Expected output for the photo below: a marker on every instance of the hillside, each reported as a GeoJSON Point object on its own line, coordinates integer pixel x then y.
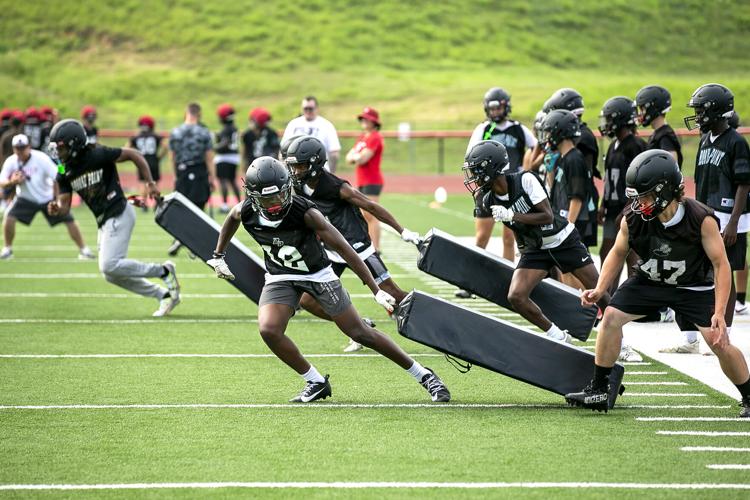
{"type": "Point", "coordinates": [426, 62]}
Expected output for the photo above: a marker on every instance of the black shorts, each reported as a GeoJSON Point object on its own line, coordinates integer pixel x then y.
{"type": "Point", "coordinates": [570, 255]}
{"type": "Point", "coordinates": [333, 298]}
{"type": "Point", "coordinates": [155, 173]}
{"type": "Point", "coordinates": [193, 183]}
{"type": "Point", "coordinates": [24, 211]}
{"type": "Point", "coordinates": [637, 296]}
{"type": "Point", "coordinates": [226, 170]}
{"type": "Point", "coordinates": [371, 189]}
{"type": "Point", "coordinates": [588, 230]}
{"type": "Point", "coordinates": [374, 263]}
{"type": "Point", "coordinates": [737, 252]}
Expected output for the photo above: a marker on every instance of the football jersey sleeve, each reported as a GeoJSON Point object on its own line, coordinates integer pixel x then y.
{"type": "Point", "coordinates": [63, 185]}
{"type": "Point", "coordinates": [533, 187]}
{"type": "Point", "coordinates": [741, 165]}
{"type": "Point", "coordinates": [576, 173]}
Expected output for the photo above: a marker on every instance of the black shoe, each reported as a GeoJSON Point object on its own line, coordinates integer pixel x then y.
{"type": "Point", "coordinates": [745, 404]}
{"type": "Point", "coordinates": [436, 387]}
{"type": "Point", "coordinates": [368, 322]}
{"type": "Point", "coordinates": [593, 398]}
{"type": "Point", "coordinates": [313, 391]}
{"type": "Point", "coordinates": [463, 294]}
{"type": "Point", "coordinates": [174, 248]}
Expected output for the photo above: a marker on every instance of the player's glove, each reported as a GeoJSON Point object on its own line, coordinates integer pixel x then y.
{"type": "Point", "coordinates": [386, 300]}
{"type": "Point", "coordinates": [411, 237]}
{"type": "Point", "coordinates": [501, 213]}
{"type": "Point", "coordinates": [220, 266]}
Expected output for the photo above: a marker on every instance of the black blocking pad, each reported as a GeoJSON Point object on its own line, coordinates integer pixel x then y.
{"type": "Point", "coordinates": [488, 276]}
{"type": "Point", "coordinates": [499, 346]}
{"type": "Point", "coordinates": [198, 232]}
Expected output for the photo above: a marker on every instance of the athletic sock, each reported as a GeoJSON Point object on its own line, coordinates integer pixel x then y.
{"type": "Point", "coordinates": [744, 389]}
{"type": "Point", "coordinates": [418, 371]}
{"type": "Point", "coordinates": [164, 272]}
{"type": "Point", "coordinates": [690, 336]}
{"type": "Point", "coordinates": [555, 332]}
{"type": "Point", "coordinates": [741, 297]}
{"type": "Point", "coordinates": [313, 375]}
{"type": "Point", "coordinates": [166, 295]}
{"type": "Point", "coordinates": [601, 376]}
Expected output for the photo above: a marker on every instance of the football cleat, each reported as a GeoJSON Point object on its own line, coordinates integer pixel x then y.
{"type": "Point", "coordinates": [666, 315]}
{"type": "Point", "coordinates": [174, 248]}
{"type": "Point", "coordinates": [6, 253]}
{"type": "Point", "coordinates": [629, 354]}
{"type": "Point", "coordinates": [686, 348]}
{"type": "Point", "coordinates": [566, 337]}
{"type": "Point", "coordinates": [353, 346]}
{"type": "Point", "coordinates": [463, 294]}
{"type": "Point", "coordinates": [166, 305]}
{"type": "Point", "coordinates": [436, 387]}
{"type": "Point", "coordinates": [745, 404]}
{"type": "Point", "coordinates": [313, 391]}
{"type": "Point", "coordinates": [593, 398]}
{"type": "Point", "coordinates": [740, 308]}
{"type": "Point", "coordinates": [86, 254]}
{"type": "Point", "coordinates": [171, 279]}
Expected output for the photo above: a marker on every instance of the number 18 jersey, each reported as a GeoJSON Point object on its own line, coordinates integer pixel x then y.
{"type": "Point", "coordinates": [291, 247]}
{"type": "Point", "coordinates": [672, 256]}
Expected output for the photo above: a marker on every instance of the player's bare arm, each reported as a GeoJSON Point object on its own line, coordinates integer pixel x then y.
{"type": "Point", "coordinates": [129, 154]}
{"type": "Point", "coordinates": [60, 205]}
{"type": "Point", "coordinates": [574, 209]}
{"type": "Point", "coordinates": [229, 228]}
{"type": "Point", "coordinates": [351, 195]}
{"type": "Point", "coordinates": [713, 245]}
{"type": "Point", "coordinates": [610, 267]}
{"type": "Point", "coordinates": [740, 201]}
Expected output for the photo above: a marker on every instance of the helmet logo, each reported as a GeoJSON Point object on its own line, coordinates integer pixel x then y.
{"type": "Point", "coordinates": [269, 190]}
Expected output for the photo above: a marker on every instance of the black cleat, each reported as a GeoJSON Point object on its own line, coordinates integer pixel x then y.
{"type": "Point", "coordinates": [174, 248]}
{"type": "Point", "coordinates": [368, 322]}
{"type": "Point", "coordinates": [313, 391]}
{"type": "Point", "coordinates": [463, 294]}
{"type": "Point", "coordinates": [745, 404]}
{"type": "Point", "coordinates": [436, 387]}
{"type": "Point", "coordinates": [593, 398]}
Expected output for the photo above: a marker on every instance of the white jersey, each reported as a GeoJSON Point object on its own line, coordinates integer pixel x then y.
{"type": "Point", "coordinates": [40, 172]}
{"type": "Point", "coordinates": [320, 128]}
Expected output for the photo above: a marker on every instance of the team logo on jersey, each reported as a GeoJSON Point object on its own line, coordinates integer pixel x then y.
{"type": "Point", "coordinates": [277, 242]}
{"type": "Point", "coordinates": [663, 249]}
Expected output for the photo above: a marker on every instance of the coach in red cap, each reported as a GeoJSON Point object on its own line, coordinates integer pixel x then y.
{"type": "Point", "coordinates": [366, 155]}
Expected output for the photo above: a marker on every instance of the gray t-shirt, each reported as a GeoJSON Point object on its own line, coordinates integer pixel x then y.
{"type": "Point", "coordinates": [189, 143]}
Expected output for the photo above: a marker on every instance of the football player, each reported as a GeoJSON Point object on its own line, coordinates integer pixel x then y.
{"type": "Point", "coordinates": [682, 265]}
{"type": "Point", "coordinates": [227, 154]}
{"type": "Point", "coordinates": [289, 229]}
{"type": "Point", "coordinates": [517, 140]}
{"type": "Point", "coordinates": [150, 145]}
{"type": "Point", "coordinates": [545, 238]}
{"type": "Point", "coordinates": [90, 171]}
{"type": "Point", "coordinates": [342, 205]}
{"type": "Point", "coordinates": [88, 115]}
{"type": "Point", "coordinates": [722, 173]}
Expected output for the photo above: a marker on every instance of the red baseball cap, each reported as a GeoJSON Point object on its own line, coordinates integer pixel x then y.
{"type": "Point", "coordinates": [261, 116]}
{"type": "Point", "coordinates": [88, 110]}
{"type": "Point", "coordinates": [370, 114]}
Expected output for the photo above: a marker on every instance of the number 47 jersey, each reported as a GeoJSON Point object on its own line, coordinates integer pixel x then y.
{"type": "Point", "coordinates": [672, 254]}
{"type": "Point", "coordinates": [291, 247]}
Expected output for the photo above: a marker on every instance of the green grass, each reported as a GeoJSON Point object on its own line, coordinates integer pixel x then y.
{"type": "Point", "coordinates": [548, 443]}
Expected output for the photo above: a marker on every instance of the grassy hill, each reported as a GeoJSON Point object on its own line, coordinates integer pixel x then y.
{"type": "Point", "coordinates": [425, 62]}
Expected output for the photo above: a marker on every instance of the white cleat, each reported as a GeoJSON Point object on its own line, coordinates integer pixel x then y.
{"type": "Point", "coordinates": [166, 305]}
{"type": "Point", "coordinates": [353, 346]}
{"type": "Point", "coordinates": [171, 279]}
{"type": "Point", "coordinates": [740, 308]}
{"type": "Point", "coordinates": [628, 354]}
{"type": "Point", "coordinates": [6, 253]}
{"type": "Point", "coordinates": [686, 348]}
{"type": "Point", "coordinates": [86, 254]}
{"type": "Point", "coordinates": [566, 338]}
{"type": "Point", "coordinates": [666, 316]}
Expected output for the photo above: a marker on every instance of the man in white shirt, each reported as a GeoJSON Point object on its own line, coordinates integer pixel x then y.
{"type": "Point", "coordinates": [310, 123]}
{"type": "Point", "coordinates": [33, 175]}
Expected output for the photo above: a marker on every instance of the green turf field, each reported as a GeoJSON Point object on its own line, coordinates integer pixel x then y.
{"type": "Point", "coordinates": [218, 419]}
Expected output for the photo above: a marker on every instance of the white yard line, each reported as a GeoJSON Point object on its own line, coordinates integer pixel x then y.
{"type": "Point", "coordinates": [703, 433]}
{"type": "Point", "coordinates": [728, 466]}
{"type": "Point", "coordinates": [645, 373]}
{"type": "Point", "coordinates": [149, 321]}
{"type": "Point", "coordinates": [656, 383]}
{"type": "Point", "coordinates": [666, 394]}
{"type": "Point", "coordinates": [693, 419]}
{"type": "Point", "coordinates": [248, 356]}
{"type": "Point", "coordinates": [715, 449]}
{"type": "Point", "coordinates": [84, 295]}
{"type": "Point", "coordinates": [381, 485]}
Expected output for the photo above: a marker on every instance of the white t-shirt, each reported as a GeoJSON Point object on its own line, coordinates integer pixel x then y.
{"type": "Point", "coordinates": [478, 134]}
{"type": "Point", "coordinates": [320, 128]}
{"type": "Point", "coordinates": [40, 172]}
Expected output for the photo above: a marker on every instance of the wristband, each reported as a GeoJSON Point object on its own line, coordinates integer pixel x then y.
{"type": "Point", "coordinates": [219, 255]}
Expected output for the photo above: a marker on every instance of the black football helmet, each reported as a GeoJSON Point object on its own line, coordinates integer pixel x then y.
{"type": "Point", "coordinates": [494, 98]}
{"type": "Point", "coordinates": [653, 172]}
{"type": "Point", "coordinates": [483, 163]}
{"type": "Point", "coordinates": [284, 146]}
{"type": "Point", "coordinates": [538, 120]}
{"type": "Point", "coordinates": [559, 124]}
{"type": "Point", "coordinates": [734, 120]}
{"type": "Point", "coordinates": [712, 102]}
{"type": "Point", "coordinates": [305, 158]}
{"type": "Point", "coordinates": [268, 185]}
{"type": "Point", "coordinates": [568, 99]}
{"type": "Point", "coordinates": [617, 112]}
{"type": "Point", "coordinates": [67, 139]}
{"type": "Point", "coordinates": [652, 101]}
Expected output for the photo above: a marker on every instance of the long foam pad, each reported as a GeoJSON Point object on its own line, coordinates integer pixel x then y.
{"type": "Point", "coordinates": [488, 276]}
{"type": "Point", "coordinates": [198, 232]}
{"type": "Point", "coordinates": [499, 346]}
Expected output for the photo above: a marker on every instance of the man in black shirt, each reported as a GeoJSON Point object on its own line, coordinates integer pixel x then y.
{"type": "Point", "coordinates": [90, 171]}
{"type": "Point", "coordinates": [545, 238]}
{"type": "Point", "coordinates": [722, 172]}
{"type": "Point", "coordinates": [227, 154]}
{"type": "Point", "coordinates": [259, 139]}
{"type": "Point", "coordinates": [290, 230]}
{"type": "Point", "coordinates": [150, 145]}
{"type": "Point", "coordinates": [682, 259]}
{"type": "Point", "coordinates": [342, 205]}
{"type": "Point", "coordinates": [88, 115]}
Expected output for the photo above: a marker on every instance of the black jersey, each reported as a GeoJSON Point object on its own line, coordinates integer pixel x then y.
{"type": "Point", "coordinates": [34, 132]}
{"type": "Point", "coordinates": [263, 143]}
{"type": "Point", "coordinates": [572, 179]}
{"type": "Point", "coordinates": [93, 175]}
{"type": "Point", "coordinates": [672, 256]}
{"type": "Point", "coordinates": [513, 138]}
{"type": "Point", "coordinates": [665, 138]}
{"type": "Point", "coordinates": [147, 143]}
{"type": "Point", "coordinates": [720, 167]}
{"type": "Point", "coordinates": [92, 134]}
{"type": "Point", "coordinates": [227, 145]}
{"type": "Point", "coordinates": [528, 237]}
{"type": "Point", "coordinates": [290, 248]}
{"type": "Point", "coordinates": [616, 164]}
{"type": "Point", "coordinates": [590, 149]}
{"type": "Point", "coordinates": [344, 216]}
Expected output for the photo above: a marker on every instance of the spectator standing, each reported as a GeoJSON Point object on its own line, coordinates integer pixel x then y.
{"type": "Point", "coordinates": [150, 145]}
{"type": "Point", "coordinates": [227, 154]}
{"type": "Point", "coordinates": [88, 117]}
{"type": "Point", "coordinates": [311, 123]}
{"type": "Point", "coordinates": [259, 139]}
